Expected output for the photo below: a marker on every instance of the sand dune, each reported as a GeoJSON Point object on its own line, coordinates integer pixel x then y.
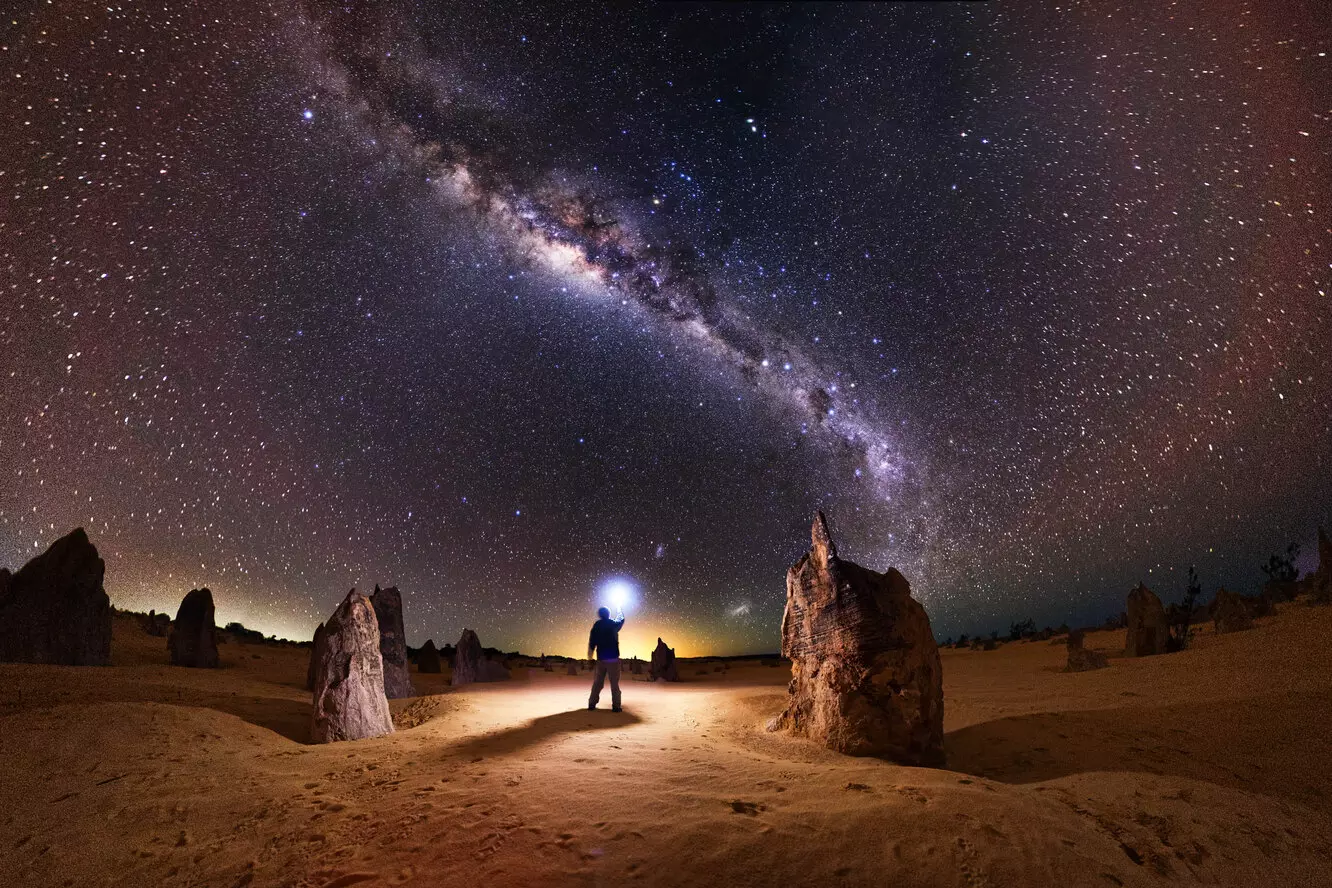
{"type": "Point", "coordinates": [1207, 766]}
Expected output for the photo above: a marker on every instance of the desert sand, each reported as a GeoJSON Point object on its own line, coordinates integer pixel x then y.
{"type": "Point", "coordinates": [1208, 766]}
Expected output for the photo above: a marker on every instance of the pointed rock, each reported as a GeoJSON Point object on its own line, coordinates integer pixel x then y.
{"type": "Point", "coordinates": [822, 548]}
{"type": "Point", "coordinates": [392, 643]}
{"type": "Point", "coordinates": [1079, 658]}
{"type": "Point", "coordinates": [1148, 630]}
{"type": "Point", "coordinates": [427, 660]}
{"type": "Point", "coordinates": [311, 671]}
{"type": "Point", "coordinates": [193, 640]}
{"type": "Point", "coordinates": [470, 663]}
{"type": "Point", "coordinates": [663, 663]}
{"type": "Point", "coordinates": [54, 610]}
{"type": "Point", "coordinates": [349, 701]}
{"type": "Point", "coordinates": [866, 674]}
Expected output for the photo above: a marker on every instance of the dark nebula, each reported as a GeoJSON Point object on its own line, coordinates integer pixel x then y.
{"type": "Point", "coordinates": [499, 302]}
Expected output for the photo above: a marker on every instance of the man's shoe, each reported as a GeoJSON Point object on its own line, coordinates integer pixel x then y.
{"type": "Point", "coordinates": [616, 709]}
{"type": "Point", "coordinates": [591, 706]}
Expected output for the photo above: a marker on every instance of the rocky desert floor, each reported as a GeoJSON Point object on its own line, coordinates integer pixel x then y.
{"type": "Point", "coordinates": [1210, 766]}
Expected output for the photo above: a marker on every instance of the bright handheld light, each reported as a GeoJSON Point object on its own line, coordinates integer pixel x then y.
{"type": "Point", "coordinates": [618, 594]}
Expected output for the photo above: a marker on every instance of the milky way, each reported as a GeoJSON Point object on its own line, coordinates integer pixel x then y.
{"type": "Point", "coordinates": [497, 301]}
{"type": "Point", "coordinates": [589, 240]}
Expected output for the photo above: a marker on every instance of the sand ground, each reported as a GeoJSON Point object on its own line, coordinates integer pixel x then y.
{"type": "Point", "coordinates": [1210, 766]}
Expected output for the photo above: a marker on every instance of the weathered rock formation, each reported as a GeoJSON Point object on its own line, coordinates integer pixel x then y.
{"type": "Point", "coordinates": [311, 672]}
{"type": "Point", "coordinates": [428, 660]}
{"type": "Point", "coordinates": [663, 663]}
{"type": "Point", "coordinates": [1079, 658]}
{"type": "Point", "coordinates": [54, 610]}
{"type": "Point", "coordinates": [636, 666]}
{"type": "Point", "coordinates": [1230, 613]}
{"type": "Point", "coordinates": [392, 642]}
{"type": "Point", "coordinates": [1148, 631]}
{"type": "Point", "coordinates": [573, 667]}
{"type": "Point", "coordinates": [471, 664]}
{"type": "Point", "coordinates": [193, 640]}
{"type": "Point", "coordinates": [866, 675]}
{"type": "Point", "coordinates": [349, 701]}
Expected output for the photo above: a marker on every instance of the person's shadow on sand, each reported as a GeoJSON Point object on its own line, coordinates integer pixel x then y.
{"type": "Point", "coordinates": [543, 728]}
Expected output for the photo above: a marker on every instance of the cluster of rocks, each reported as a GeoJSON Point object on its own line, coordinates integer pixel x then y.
{"type": "Point", "coordinates": [54, 609]}
{"type": "Point", "coordinates": [663, 663]}
{"type": "Point", "coordinates": [866, 674]}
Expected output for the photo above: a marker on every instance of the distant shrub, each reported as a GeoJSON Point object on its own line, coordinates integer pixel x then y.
{"type": "Point", "coordinates": [1281, 569]}
{"type": "Point", "coordinates": [1179, 617]}
{"type": "Point", "coordinates": [242, 634]}
{"type": "Point", "coordinates": [1019, 631]}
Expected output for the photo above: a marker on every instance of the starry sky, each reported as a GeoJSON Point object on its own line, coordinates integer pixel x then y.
{"type": "Point", "coordinates": [499, 302]}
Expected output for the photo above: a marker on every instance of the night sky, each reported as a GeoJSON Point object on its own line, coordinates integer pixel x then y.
{"type": "Point", "coordinates": [497, 302]}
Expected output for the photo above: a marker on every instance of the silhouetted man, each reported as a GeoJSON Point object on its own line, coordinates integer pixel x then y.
{"type": "Point", "coordinates": [605, 641]}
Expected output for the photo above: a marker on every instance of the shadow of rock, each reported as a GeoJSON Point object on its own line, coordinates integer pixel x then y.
{"type": "Point", "coordinates": [540, 729]}
{"type": "Point", "coordinates": [1201, 741]}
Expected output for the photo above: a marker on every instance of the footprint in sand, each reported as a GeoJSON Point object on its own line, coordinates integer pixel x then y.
{"type": "Point", "coordinates": [750, 809]}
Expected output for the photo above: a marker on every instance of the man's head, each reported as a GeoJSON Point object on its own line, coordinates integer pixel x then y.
{"type": "Point", "coordinates": [603, 612]}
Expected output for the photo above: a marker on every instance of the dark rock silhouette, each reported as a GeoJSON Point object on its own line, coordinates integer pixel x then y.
{"type": "Point", "coordinates": [428, 659]}
{"type": "Point", "coordinates": [1148, 630]}
{"type": "Point", "coordinates": [349, 700]}
{"type": "Point", "coordinates": [1318, 584]}
{"type": "Point", "coordinates": [663, 663]}
{"type": "Point", "coordinates": [54, 610]}
{"type": "Point", "coordinates": [866, 674]}
{"type": "Point", "coordinates": [312, 670]}
{"type": "Point", "coordinates": [392, 642]}
{"type": "Point", "coordinates": [471, 664]}
{"type": "Point", "coordinates": [193, 640]}
{"type": "Point", "coordinates": [1277, 591]}
{"type": "Point", "coordinates": [1229, 613]}
{"type": "Point", "coordinates": [1079, 658]}
{"type": "Point", "coordinates": [573, 668]}
{"type": "Point", "coordinates": [636, 666]}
